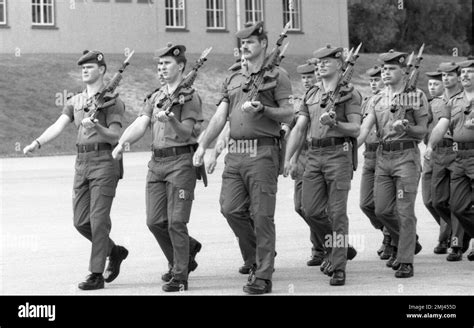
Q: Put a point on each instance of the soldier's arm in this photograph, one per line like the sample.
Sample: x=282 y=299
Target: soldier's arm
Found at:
x=284 y=113
x=350 y=128
x=51 y=133
x=215 y=126
x=183 y=129
x=420 y=129
x=111 y=134
x=135 y=131
x=438 y=132
x=365 y=128
x=296 y=137
x=221 y=143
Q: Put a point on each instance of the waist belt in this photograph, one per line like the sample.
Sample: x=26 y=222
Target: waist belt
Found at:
x=263 y=141
x=327 y=142
x=174 y=151
x=445 y=143
x=371 y=147
x=465 y=145
x=398 y=145
x=93 y=147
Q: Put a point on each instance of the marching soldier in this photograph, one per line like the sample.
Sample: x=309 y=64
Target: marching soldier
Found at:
x=171 y=177
x=328 y=172
x=96 y=173
x=308 y=79
x=429 y=183
x=458 y=118
x=249 y=181
x=398 y=165
x=367 y=203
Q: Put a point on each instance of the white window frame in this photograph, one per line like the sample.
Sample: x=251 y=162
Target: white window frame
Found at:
x=254 y=12
x=293 y=13
x=3 y=20
x=214 y=10
x=42 y=4
x=176 y=7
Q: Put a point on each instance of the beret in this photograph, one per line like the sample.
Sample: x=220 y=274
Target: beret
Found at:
x=328 y=51
x=434 y=75
x=94 y=56
x=250 y=29
x=171 y=50
x=447 y=67
x=466 y=63
x=393 y=57
x=306 y=69
x=374 y=71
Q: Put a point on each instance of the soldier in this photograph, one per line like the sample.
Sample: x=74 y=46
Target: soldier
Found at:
x=249 y=181
x=328 y=172
x=367 y=203
x=308 y=79
x=428 y=182
x=458 y=118
x=96 y=173
x=398 y=167
x=171 y=177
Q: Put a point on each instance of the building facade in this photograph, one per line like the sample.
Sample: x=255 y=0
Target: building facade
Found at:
x=70 y=26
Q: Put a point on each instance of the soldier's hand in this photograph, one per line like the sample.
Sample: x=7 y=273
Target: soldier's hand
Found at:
x=327 y=119
x=252 y=106
x=469 y=124
x=287 y=169
x=117 y=152
x=30 y=148
x=428 y=153
x=211 y=163
x=163 y=118
x=88 y=123
x=198 y=157
x=400 y=125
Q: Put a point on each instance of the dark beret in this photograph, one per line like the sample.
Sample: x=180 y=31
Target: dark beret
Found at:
x=328 y=51
x=94 y=56
x=394 y=57
x=251 y=29
x=171 y=50
x=374 y=71
x=466 y=63
x=306 y=69
x=435 y=75
x=447 y=67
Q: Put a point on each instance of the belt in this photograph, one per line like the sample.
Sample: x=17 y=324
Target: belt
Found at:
x=371 y=147
x=327 y=142
x=445 y=143
x=263 y=141
x=93 y=147
x=465 y=145
x=398 y=145
x=174 y=151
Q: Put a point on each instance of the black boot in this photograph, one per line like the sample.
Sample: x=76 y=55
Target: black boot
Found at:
x=118 y=254
x=405 y=271
x=338 y=279
x=93 y=281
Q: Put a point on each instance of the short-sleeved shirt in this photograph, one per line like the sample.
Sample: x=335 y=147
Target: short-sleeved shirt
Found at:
x=380 y=107
x=311 y=108
x=74 y=109
x=455 y=113
x=438 y=108
x=372 y=136
x=163 y=134
x=254 y=125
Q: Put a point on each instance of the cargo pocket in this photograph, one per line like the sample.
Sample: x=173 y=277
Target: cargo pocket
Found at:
x=267 y=198
x=107 y=191
x=343 y=185
x=183 y=200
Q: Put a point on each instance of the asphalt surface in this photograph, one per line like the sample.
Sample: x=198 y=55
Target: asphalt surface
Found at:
x=42 y=254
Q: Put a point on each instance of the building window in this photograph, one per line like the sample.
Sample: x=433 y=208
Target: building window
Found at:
x=253 y=10
x=292 y=9
x=175 y=13
x=3 y=12
x=43 y=12
x=215 y=13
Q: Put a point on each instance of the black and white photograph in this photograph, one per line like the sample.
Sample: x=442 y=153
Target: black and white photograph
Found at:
x=237 y=148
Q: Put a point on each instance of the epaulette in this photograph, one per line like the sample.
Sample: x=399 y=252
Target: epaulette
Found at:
x=311 y=92
x=236 y=66
x=73 y=94
x=148 y=96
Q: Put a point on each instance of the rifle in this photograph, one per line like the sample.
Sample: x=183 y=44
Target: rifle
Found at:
x=334 y=97
x=101 y=99
x=411 y=78
x=255 y=84
x=183 y=92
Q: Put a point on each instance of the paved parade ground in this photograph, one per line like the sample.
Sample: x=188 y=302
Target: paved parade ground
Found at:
x=42 y=254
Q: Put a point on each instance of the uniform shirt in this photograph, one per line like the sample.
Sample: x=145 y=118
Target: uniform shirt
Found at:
x=311 y=108
x=455 y=113
x=253 y=125
x=75 y=110
x=163 y=134
x=372 y=136
x=380 y=107
x=438 y=107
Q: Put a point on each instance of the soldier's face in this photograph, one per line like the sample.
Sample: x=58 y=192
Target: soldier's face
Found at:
x=91 y=72
x=159 y=75
x=252 y=47
x=376 y=84
x=318 y=76
x=450 y=80
x=328 y=66
x=467 y=76
x=170 y=69
x=391 y=74
x=435 y=88
x=308 y=80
